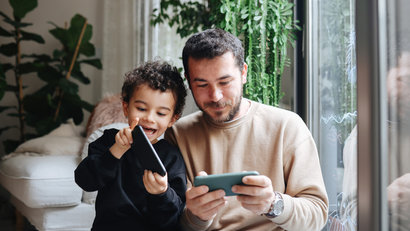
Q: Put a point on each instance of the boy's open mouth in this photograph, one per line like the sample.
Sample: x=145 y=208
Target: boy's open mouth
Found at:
x=149 y=131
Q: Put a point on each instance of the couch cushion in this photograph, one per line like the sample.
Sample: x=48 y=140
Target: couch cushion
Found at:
x=89 y=197
x=41 y=181
x=72 y=218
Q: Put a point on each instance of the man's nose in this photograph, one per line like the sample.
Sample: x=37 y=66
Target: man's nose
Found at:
x=215 y=94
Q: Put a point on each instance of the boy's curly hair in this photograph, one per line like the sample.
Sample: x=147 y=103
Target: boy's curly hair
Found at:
x=158 y=75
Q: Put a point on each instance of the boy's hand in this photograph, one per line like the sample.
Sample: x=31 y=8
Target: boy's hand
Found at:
x=123 y=140
x=155 y=183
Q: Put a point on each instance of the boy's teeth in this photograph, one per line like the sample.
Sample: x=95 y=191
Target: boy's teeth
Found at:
x=149 y=131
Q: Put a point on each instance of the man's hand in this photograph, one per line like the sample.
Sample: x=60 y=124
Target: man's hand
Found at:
x=155 y=183
x=256 y=195
x=204 y=204
x=123 y=140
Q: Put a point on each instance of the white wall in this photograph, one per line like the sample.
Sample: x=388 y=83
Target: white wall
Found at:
x=59 y=12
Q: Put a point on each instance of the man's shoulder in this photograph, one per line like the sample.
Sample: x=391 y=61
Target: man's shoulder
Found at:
x=189 y=120
x=275 y=113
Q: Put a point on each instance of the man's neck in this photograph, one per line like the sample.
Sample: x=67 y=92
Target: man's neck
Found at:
x=243 y=109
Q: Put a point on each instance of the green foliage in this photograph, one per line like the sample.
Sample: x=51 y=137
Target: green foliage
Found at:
x=266 y=29
x=188 y=17
x=57 y=100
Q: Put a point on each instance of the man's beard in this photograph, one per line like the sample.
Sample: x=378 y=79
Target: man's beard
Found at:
x=232 y=113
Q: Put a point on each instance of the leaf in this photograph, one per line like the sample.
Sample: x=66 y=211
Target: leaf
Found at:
x=32 y=37
x=5 y=33
x=50 y=75
x=27 y=67
x=22 y=7
x=77 y=23
x=3 y=82
x=5 y=16
x=57 y=54
x=93 y=62
x=60 y=34
x=7 y=66
x=67 y=86
x=76 y=26
x=39 y=58
x=87 y=49
x=16 y=24
x=4 y=108
x=9 y=49
x=79 y=75
x=257 y=18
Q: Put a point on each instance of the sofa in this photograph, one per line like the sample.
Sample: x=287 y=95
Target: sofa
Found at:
x=39 y=174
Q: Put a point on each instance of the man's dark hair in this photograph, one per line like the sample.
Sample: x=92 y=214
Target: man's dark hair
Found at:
x=158 y=75
x=212 y=43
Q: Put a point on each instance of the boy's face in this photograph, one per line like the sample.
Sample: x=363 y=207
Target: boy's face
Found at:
x=155 y=110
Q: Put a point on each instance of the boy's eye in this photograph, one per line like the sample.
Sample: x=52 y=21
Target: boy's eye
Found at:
x=141 y=109
x=161 y=114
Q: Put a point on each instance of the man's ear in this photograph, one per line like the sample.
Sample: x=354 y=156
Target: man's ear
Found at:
x=125 y=108
x=187 y=79
x=173 y=120
x=244 y=73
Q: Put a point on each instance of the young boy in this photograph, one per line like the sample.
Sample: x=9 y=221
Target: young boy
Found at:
x=130 y=197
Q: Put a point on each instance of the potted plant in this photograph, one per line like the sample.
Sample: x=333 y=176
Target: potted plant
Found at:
x=57 y=100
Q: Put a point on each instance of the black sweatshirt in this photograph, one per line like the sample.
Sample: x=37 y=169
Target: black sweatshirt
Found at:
x=122 y=202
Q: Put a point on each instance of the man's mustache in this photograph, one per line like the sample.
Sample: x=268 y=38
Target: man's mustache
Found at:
x=218 y=104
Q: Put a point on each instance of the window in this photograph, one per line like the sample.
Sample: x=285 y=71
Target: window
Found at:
x=332 y=75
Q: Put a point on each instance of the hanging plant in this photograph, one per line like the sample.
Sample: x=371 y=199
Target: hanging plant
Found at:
x=266 y=29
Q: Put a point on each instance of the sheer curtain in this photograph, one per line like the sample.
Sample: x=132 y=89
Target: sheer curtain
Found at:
x=129 y=40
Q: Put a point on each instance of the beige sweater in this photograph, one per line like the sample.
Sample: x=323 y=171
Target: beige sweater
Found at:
x=272 y=141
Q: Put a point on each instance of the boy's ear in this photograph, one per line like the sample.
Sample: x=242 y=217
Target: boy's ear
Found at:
x=125 y=108
x=173 y=120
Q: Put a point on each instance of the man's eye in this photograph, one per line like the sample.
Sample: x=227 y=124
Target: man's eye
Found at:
x=202 y=85
x=224 y=83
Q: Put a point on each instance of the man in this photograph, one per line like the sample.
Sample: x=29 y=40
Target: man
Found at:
x=234 y=134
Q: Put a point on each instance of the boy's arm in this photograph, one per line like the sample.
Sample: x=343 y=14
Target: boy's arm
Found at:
x=165 y=209
x=100 y=166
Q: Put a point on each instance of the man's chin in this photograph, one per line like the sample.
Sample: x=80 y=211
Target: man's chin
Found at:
x=218 y=117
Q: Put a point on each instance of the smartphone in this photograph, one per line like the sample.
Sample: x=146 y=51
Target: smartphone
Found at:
x=147 y=155
x=223 y=181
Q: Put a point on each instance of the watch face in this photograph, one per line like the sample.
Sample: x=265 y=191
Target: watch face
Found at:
x=278 y=208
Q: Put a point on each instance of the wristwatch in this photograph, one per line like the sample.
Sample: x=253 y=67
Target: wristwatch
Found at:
x=276 y=208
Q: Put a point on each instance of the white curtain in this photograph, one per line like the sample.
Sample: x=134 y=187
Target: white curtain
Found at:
x=129 y=40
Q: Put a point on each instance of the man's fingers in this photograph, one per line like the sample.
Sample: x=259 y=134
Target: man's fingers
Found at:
x=204 y=206
x=213 y=208
x=202 y=173
x=261 y=181
x=194 y=192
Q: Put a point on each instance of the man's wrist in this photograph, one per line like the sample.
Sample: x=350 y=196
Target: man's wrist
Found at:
x=276 y=208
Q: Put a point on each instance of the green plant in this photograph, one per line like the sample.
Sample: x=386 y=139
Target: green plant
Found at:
x=57 y=100
x=265 y=27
